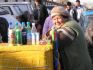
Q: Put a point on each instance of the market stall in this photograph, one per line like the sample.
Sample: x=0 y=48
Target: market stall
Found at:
x=26 y=57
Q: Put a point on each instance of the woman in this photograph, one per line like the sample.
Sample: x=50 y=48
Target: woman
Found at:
x=72 y=47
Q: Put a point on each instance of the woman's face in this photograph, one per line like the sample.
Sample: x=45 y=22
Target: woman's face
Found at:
x=58 y=21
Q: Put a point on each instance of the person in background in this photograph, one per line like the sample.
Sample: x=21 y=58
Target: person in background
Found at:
x=26 y=17
x=71 y=11
x=40 y=13
x=72 y=48
x=79 y=9
x=47 y=26
x=4 y=29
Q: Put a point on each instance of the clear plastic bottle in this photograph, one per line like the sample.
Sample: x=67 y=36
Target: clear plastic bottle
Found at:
x=33 y=29
x=35 y=35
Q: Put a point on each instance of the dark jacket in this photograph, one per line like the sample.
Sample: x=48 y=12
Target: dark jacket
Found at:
x=74 y=55
x=40 y=14
x=89 y=38
x=4 y=29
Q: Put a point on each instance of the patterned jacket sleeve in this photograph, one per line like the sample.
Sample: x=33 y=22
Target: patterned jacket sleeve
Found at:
x=66 y=36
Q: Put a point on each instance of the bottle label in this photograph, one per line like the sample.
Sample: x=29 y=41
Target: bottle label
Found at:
x=11 y=37
x=18 y=35
x=33 y=38
x=29 y=38
x=24 y=36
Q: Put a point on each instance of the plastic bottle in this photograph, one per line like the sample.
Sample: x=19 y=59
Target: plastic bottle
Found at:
x=28 y=33
x=33 y=30
x=11 y=35
x=35 y=35
x=24 y=34
x=18 y=35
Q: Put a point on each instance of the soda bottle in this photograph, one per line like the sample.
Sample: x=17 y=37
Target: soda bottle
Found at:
x=29 y=37
x=18 y=35
x=11 y=35
x=24 y=34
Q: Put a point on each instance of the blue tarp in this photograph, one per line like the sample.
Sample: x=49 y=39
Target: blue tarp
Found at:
x=87 y=13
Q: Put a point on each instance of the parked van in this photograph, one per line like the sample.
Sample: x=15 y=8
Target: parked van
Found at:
x=17 y=8
x=8 y=17
x=5 y=20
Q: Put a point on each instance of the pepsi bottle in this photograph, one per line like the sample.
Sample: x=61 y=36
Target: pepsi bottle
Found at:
x=24 y=34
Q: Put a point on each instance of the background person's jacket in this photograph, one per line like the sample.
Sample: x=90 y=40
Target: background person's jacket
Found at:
x=73 y=14
x=79 y=11
x=40 y=14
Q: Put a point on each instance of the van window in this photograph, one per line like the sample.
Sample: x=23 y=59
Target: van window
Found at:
x=18 y=10
x=21 y=8
x=8 y=9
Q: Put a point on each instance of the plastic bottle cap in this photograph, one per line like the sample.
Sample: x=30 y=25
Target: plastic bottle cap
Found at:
x=33 y=23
